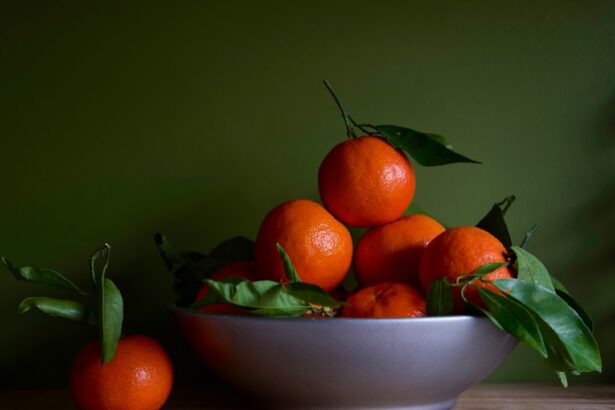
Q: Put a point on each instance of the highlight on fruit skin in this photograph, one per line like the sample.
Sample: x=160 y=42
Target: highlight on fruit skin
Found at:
x=139 y=377
x=385 y=300
x=366 y=182
x=460 y=251
x=392 y=252
x=319 y=245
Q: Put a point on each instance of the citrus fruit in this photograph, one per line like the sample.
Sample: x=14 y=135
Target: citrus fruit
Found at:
x=392 y=252
x=366 y=182
x=243 y=269
x=319 y=246
x=139 y=377
x=460 y=251
x=387 y=299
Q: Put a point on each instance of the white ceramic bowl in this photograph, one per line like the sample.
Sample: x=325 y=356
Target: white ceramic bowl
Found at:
x=340 y=363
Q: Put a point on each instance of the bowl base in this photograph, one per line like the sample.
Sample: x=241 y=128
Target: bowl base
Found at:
x=442 y=405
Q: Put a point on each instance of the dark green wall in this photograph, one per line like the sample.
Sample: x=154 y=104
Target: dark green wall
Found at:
x=196 y=118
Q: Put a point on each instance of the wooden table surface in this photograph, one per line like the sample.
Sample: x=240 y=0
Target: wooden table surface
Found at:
x=481 y=397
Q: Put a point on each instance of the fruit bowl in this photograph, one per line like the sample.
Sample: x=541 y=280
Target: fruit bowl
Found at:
x=340 y=363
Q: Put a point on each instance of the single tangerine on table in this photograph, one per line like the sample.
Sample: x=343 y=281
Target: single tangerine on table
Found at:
x=243 y=269
x=319 y=246
x=460 y=251
x=392 y=252
x=385 y=300
x=139 y=377
x=366 y=182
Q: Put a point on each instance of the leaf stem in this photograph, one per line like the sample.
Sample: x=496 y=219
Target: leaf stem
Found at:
x=361 y=127
x=365 y=127
x=463 y=289
x=528 y=236
x=347 y=120
x=103 y=251
x=506 y=203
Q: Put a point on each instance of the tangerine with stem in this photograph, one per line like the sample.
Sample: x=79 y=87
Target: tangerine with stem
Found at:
x=139 y=377
x=460 y=251
x=365 y=181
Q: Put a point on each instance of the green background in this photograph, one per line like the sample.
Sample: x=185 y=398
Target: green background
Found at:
x=196 y=118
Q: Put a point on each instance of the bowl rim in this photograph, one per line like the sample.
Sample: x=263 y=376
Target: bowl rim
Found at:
x=371 y=321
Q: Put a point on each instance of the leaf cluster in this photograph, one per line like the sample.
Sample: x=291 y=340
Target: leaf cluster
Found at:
x=427 y=149
x=191 y=268
x=103 y=307
x=534 y=307
x=291 y=297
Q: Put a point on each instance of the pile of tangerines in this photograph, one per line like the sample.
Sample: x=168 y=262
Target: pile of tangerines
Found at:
x=365 y=182
x=304 y=253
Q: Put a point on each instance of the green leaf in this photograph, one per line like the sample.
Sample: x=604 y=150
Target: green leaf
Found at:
x=187 y=281
x=510 y=316
x=235 y=249
x=103 y=251
x=289 y=269
x=350 y=283
x=494 y=222
x=488 y=268
x=563 y=293
x=110 y=305
x=266 y=295
x=577 y=308
x=41 y=276
x=440 y=298
x=204 y=267
x=528 y=235
x=558 y=285
x=515 y=318
x=188 y=277
x=558 y=357
x=530 y=269
x=480 y=272
x=67 y=309
x=312 y=294
x=562 y=328
x=211 y=298
x=191 y=268
x=426 y=149
x=562 y=378
x=169 y=255
x=440 y=139
x=111 y=317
